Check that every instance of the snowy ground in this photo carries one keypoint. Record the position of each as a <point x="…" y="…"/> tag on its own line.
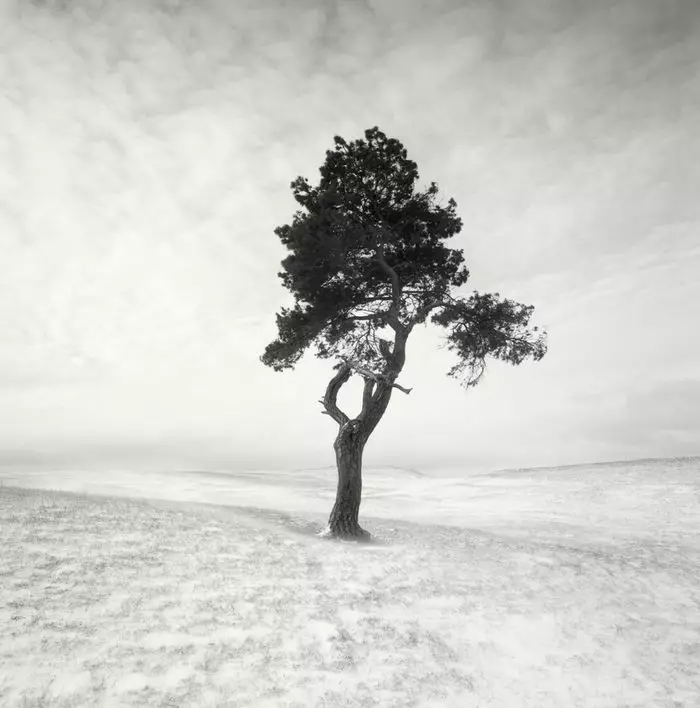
<point x="563" y="587"/>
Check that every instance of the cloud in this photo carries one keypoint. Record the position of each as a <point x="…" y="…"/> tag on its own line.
<point x="146" y="151"/>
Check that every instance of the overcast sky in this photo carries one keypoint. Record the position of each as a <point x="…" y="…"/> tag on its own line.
<point x="146" y="150"/>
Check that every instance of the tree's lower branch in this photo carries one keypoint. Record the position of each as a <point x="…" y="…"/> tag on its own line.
<point x="329" y="401"/>
<point x="402" y="389"/>
<point x="376" y="378"/>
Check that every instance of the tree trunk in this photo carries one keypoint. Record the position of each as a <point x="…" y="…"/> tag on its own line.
<point x="343" y="521"/>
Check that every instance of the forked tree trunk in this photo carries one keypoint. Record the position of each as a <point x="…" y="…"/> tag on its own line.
<point x="349" y="446"/>
<point x="343" y="521"/>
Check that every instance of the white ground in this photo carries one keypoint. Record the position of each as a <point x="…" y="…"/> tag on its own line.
<point x="565" y="587"/>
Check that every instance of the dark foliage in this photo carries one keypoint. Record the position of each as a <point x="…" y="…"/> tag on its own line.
<point x="368" y="261"/>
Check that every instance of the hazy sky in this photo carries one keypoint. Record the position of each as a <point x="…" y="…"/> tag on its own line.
<point x="146" y="150"/>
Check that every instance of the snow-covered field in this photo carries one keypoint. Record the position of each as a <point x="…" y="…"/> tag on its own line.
<point x="562" y="587"/>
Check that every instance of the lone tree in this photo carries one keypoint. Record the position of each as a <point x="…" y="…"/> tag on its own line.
<point x="367" y="263"/>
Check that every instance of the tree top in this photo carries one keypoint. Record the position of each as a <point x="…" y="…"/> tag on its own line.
<point x="368" y="261"/>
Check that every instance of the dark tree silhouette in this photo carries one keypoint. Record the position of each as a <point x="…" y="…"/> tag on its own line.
<point x="367" y="263"/>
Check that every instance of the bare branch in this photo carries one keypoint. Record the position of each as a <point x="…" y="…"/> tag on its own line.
<point x="329" y="401"/>
<point x="476" y="373"/>
<point x="395" y="288"/>
<point x="395" y="285"/>
<point x="359" y="318"/>
<point x="376" y="378"/>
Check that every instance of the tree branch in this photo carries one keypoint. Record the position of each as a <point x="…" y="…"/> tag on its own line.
<point x="329" y="401"/>
<point x="393" y="275"/>
<point x="395" y="309"/>
<point x="393" y="314"/>
<point x="376" y="378"/>
<point x="359" y="318"/>
<point x="367" y="397"/>
<point x="423" y="312"/>
<point x="385" y="349"/>
<point x="380" y="401"/>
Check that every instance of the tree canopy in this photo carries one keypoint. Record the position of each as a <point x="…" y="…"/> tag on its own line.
<point x="368" y="260"/>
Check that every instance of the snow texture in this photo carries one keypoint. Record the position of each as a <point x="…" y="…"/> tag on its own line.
<point x="573" y="586"/>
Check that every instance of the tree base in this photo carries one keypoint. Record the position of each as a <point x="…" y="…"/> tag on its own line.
<point x="346" y="532"/>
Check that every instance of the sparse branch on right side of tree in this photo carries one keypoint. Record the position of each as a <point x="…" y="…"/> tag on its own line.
<point x="485" y="326"/>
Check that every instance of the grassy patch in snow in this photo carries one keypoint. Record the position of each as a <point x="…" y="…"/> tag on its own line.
<point x="123" y="602"/>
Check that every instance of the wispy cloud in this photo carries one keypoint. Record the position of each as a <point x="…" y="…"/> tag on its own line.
<point x="145" y="155"/>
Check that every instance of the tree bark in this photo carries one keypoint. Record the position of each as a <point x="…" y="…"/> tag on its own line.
<point x="353" y="435"/>
<point x="349" y="446"/>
